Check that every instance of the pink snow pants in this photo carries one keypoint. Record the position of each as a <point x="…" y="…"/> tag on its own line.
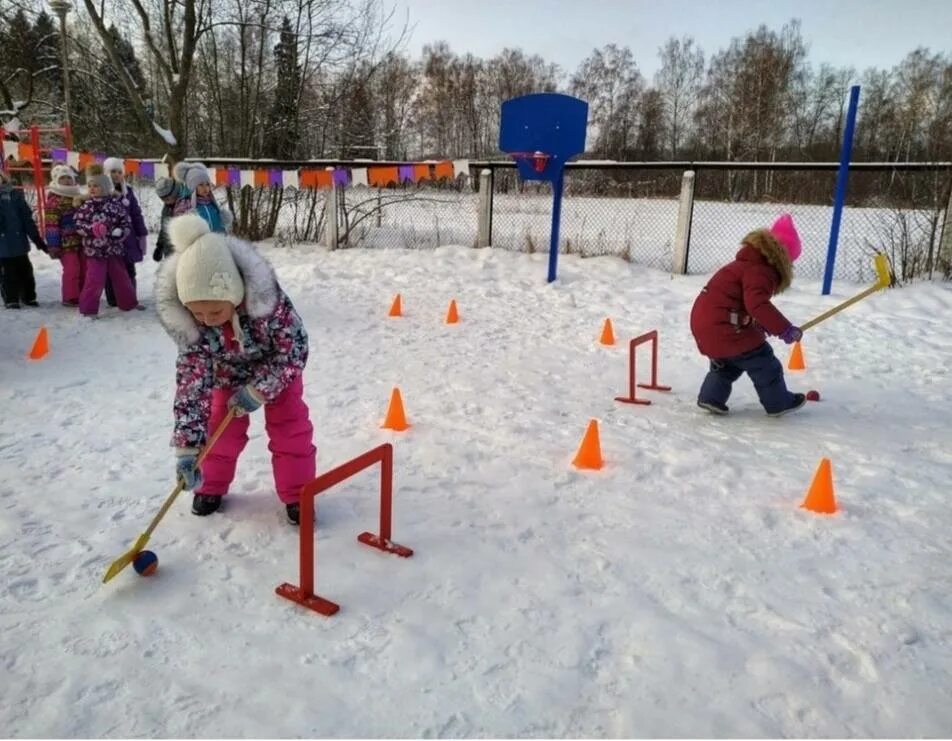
<point x="290" y="440"/>
<point x="96" y="270"/>
<point x="74" y="273"/>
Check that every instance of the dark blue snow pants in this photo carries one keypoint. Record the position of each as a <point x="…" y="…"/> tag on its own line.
<point x="764" y="370"/>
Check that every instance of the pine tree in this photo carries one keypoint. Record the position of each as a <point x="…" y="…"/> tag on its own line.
<point x="29" y="64"/>
<point x="283" y="134"/>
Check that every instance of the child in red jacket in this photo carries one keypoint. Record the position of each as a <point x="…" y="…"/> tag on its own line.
<point x="733" y="314"/>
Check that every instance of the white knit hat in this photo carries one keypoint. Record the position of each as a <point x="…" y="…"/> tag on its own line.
<point x="206" y="270"/>
<point x="113" y="163"/>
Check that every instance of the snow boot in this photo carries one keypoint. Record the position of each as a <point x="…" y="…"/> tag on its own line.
<point x="713" y="407"/>
<point x="205" y="504"/>
<point x="798" y="401"/>
<point x="294" y="513"/>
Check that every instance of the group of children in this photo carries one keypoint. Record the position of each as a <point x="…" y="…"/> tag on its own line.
<point x="242" y="345"/>
<point x="97" y="233"/>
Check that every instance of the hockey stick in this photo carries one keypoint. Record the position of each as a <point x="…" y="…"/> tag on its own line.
<point x="129" y="556"/>
<point x="883" y="280"/>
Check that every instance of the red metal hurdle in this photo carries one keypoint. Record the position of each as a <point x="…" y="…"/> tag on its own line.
<point x="632" y="397"/>
<point x="304" y="593"/>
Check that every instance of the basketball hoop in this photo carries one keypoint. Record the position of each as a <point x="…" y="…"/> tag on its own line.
<point x="538" y="159"/>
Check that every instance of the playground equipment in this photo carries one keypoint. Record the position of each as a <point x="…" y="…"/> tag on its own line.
<point x="303" y="593"/>
<point x="632" y="397"/>
<point x="541" y="132"/>
<point x="27" y="157"/>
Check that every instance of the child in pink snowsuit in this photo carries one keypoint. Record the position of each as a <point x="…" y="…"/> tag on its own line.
<point x="103" y="225"/>
<point x="61" y="237"/>
<point x="241" y="345"/>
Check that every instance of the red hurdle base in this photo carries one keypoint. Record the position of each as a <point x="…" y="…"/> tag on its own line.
<point x="375" y="541"/>
<point x="310" y="601"/>
<point x="303" y="594"/>
<point x="632" y="397"/>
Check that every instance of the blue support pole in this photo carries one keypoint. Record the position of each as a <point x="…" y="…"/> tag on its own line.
<point x="556" y="219"/>
<point x="840" y="197"/>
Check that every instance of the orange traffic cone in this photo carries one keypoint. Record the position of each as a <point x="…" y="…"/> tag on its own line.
<point x="452" y="315"/>
<point x="41" y="345"/>
<point x="396" y="419"/>
<point x="608" y="334"/>
<point x="796" y="358"/>
<point x="820" y="498"/>
<point x="590" y="451"/>
<point x="395" y="308"/>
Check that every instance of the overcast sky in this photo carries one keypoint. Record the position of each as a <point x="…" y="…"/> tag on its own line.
<point x="854" y="33"/>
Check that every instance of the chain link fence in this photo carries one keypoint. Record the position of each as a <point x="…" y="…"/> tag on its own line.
<point x="627" y="210"/>
<point x="628" y="213"/>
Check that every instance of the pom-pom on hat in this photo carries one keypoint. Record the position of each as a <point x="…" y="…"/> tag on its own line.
<point x="178" y="172"/>
<point x="206" y="270"/>
<point x="786" y="233"/>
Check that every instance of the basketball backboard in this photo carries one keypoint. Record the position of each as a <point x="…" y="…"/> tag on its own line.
<point x="542" y="132"/>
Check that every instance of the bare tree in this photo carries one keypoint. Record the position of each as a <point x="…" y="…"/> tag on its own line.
<point x="611" y="83"/>
<point x="171" y="30"/>
<point x="678" y="83"/>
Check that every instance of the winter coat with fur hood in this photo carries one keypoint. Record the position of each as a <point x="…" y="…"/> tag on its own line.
<point x="733" y="311"/>
<point x="270" y="355"/>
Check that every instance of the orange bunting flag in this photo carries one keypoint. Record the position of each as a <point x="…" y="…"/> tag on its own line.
<point x="26" y="152"/>
<point x="132" y="167"/>
<point x="221" y="176"/>
<point x="324" y="178"/>
<point x="444" y="169"/>
<point x="421" y="172"/>
<point x="381" y="177"/>
<point x="261" y="178"/>
<point x="85" y="160"/>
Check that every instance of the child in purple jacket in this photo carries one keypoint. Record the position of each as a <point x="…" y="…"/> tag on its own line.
<point x="103" y="224"/>
<point x="137" y="243"/>
<point x="241" y="345"/>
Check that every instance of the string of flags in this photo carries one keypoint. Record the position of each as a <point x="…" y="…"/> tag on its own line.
<point x="265" y="177"/>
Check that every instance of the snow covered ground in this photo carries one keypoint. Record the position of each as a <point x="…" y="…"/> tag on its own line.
<point x="680" y="591"/>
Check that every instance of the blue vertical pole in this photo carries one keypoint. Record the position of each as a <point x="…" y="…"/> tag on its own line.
<point x="556" y="219"/>
<point x="840" y="197"/>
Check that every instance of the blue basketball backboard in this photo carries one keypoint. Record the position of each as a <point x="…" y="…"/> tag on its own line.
<point x="548" y="123"/>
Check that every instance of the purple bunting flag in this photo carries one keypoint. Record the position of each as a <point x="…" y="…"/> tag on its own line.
<point x="59" y="155"/>
<point x="406" y="173"/>
<point x="234" y="177"/>
<point x="274" y="178"/>
<point x="341" y="177"/>
<point x="147" y="170"/>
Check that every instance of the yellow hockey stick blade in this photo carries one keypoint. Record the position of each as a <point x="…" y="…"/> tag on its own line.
<point x="126" y="558"/>
<point x="883" y="271"/>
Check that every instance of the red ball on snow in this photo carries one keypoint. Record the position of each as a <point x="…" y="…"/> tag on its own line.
<point x="813" y="395"/>
<point x="145" y="563"/>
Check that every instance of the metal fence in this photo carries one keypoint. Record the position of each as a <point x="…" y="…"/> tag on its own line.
<point x="679" y="216"/>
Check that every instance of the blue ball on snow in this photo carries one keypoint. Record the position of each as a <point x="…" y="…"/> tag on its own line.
<point x="145" y="563"/>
